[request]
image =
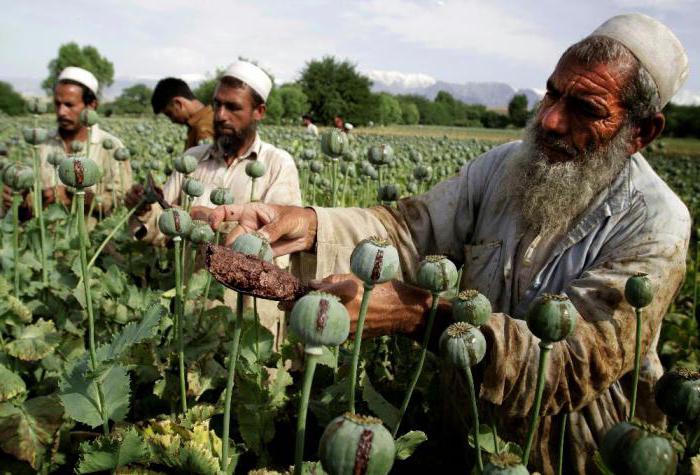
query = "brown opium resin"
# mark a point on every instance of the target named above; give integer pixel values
(251, 275)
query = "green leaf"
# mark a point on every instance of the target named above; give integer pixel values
(204, 375)
(132, 334)
(407, 443)
(486, 442)
(114, 281)
(265, 342)
(34, 342)
(11, 385)
(600, 464)
(195, 287)
(111, 452)
(28, 429)
(256, 423)
(377, 404)
(78, 393)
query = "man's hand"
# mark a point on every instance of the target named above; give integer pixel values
(288, 228)
(6, 197)
(201, 213)
(134, 196)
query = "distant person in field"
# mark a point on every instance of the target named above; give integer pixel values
(311, 128)
(238, 105)
(339, 123)
(573, 208)
(75, 90)
(173, 98)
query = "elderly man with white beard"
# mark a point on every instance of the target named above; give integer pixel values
(574, 208)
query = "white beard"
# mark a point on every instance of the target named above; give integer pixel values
(551, 195)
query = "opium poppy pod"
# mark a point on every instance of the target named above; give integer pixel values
(353, 444)
(374, 261)
(334, 142)
(18, 177)
(320, 319)
(221, 196)
(388, 192)
(201, 232)
(255, 169)
(552, 318)
(380, 154)
(34, 136)
(175, 222)
(77, 147)
(462, 345)
(253, 244)
(472, 307)
(185, 164)
(89, 117)
(122, 154)
(78, 172)
(678, 395)
(505, 464)
(54, 158)
(636, 449)
(436, 274)
(316, 166)
(193, 187)
(108, 144)
(638, 290)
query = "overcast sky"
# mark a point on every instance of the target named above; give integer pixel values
(512, 41)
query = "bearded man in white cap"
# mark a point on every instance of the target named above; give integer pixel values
(239, 105)
(76, 89)
(574, 208)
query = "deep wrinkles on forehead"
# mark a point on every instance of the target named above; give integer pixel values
(603, 89)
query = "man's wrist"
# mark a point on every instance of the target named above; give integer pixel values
(311, 220)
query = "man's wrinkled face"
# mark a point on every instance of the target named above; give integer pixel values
(235, 118)
(582, 109)
(68, 101)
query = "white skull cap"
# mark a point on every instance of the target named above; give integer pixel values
(654, 45)
(80, 75)
(252, 75)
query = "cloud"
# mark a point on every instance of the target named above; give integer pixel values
(686, 97)
(403, 80)
(656, 4)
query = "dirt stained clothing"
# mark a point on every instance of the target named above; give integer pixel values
(200, 127)
(636, 225)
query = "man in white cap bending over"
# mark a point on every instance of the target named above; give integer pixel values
(239, 104)
(573, 208)
(76, 89)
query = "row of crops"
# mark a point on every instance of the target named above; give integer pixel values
(114, 358)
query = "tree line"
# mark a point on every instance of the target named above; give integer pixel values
(325, 88)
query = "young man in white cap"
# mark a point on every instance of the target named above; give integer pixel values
(574, 208)
(239, 105)
(76, 90)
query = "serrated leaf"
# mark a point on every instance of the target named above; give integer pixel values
(132, 334)
(34, 342)
(265, 342)
(204, 375)
(11, 384)
(114, 280)
(111, 452)
(78, 393)
(378, 405)
(408, 443)
(27, 430)
(257, 425)
(487, 444)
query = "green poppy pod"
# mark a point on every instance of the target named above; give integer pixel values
(388, 192)
(354, 444)
(175, 222)
(316, 166)
(18, 177)
(185, 164)
(472, 307)
(319, 319)
(201, 232)
(462, 345)
(54, 158)
(638, 290)
(505, 464)
(108, 144)
(308, 154)
(34, 136)
(122, 154)
(422, 172)
(411, 188)
(193, 187)
(677, 394)
(380, 154)
(415, 156)
(334, 142)
(374, 260)
(436, 274)
(221, 196)
(636, 449)
(255, 169)
(78, 172)
(36, 106)
(253, 244)
(77, 147)
(552, 318)
(349, 155)
(135, 166)
(88, 117)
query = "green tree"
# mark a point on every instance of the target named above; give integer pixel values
(87, 57)
(275, 108)
(133, 100)
(389, 110)
(294, 101)
(409, 113)
(205, 90)
(517, 110)
(336, 88)
(11, 102)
